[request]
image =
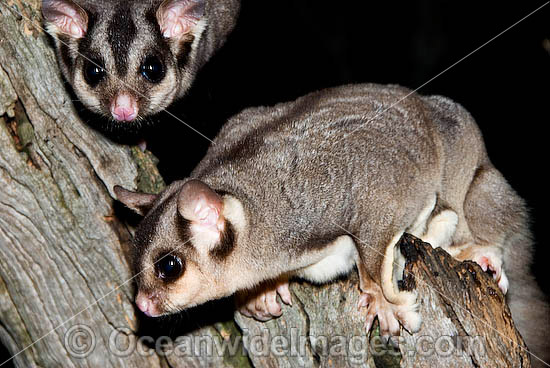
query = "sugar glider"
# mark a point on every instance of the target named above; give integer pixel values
(287, 190)
(127, 60)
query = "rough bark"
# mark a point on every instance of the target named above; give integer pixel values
(62, 259)
(62, 255)
(466, 322)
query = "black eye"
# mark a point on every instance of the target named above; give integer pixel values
(152, 69)
(169, 267)
(93, 72)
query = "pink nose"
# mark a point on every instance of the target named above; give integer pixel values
(146, 305)
(124, 108)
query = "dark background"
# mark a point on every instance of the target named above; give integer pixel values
(283, 49)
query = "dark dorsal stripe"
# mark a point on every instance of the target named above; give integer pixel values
(64, 51)
(185, 51)
(121, 32)
(85, 44)
(151, 18)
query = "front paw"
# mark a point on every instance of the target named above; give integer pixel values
(261, 303)
(390, 316)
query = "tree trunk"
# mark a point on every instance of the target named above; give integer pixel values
(66, 293)
(466, 322)
(63, 271)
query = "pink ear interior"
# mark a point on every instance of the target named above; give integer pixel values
(178, 17)
(68, 17)
(198, 203)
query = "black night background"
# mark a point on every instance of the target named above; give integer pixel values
(283, 49)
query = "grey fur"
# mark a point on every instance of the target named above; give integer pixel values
(121, 35)
(358, 158)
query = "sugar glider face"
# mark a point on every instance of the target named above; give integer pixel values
(182, 249)
(126, 60)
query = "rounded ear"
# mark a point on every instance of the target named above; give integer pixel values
(140, 203)
(179, 17)
(66, 17)
(198, 203)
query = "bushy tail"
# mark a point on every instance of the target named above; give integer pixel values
(529, 306)
(496, 215)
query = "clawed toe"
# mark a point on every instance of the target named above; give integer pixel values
(499, 275)
(390, 316)
(489, 264)
(364, 300)
(490, 260)
(284, 293)
(261, 304)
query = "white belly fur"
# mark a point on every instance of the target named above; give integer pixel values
(339, 258)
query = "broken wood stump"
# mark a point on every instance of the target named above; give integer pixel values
(466, 322)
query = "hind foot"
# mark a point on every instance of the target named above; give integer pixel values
(490, 260)
(390, 316)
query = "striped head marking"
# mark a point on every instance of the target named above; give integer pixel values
(126, 60)
(183, 248)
